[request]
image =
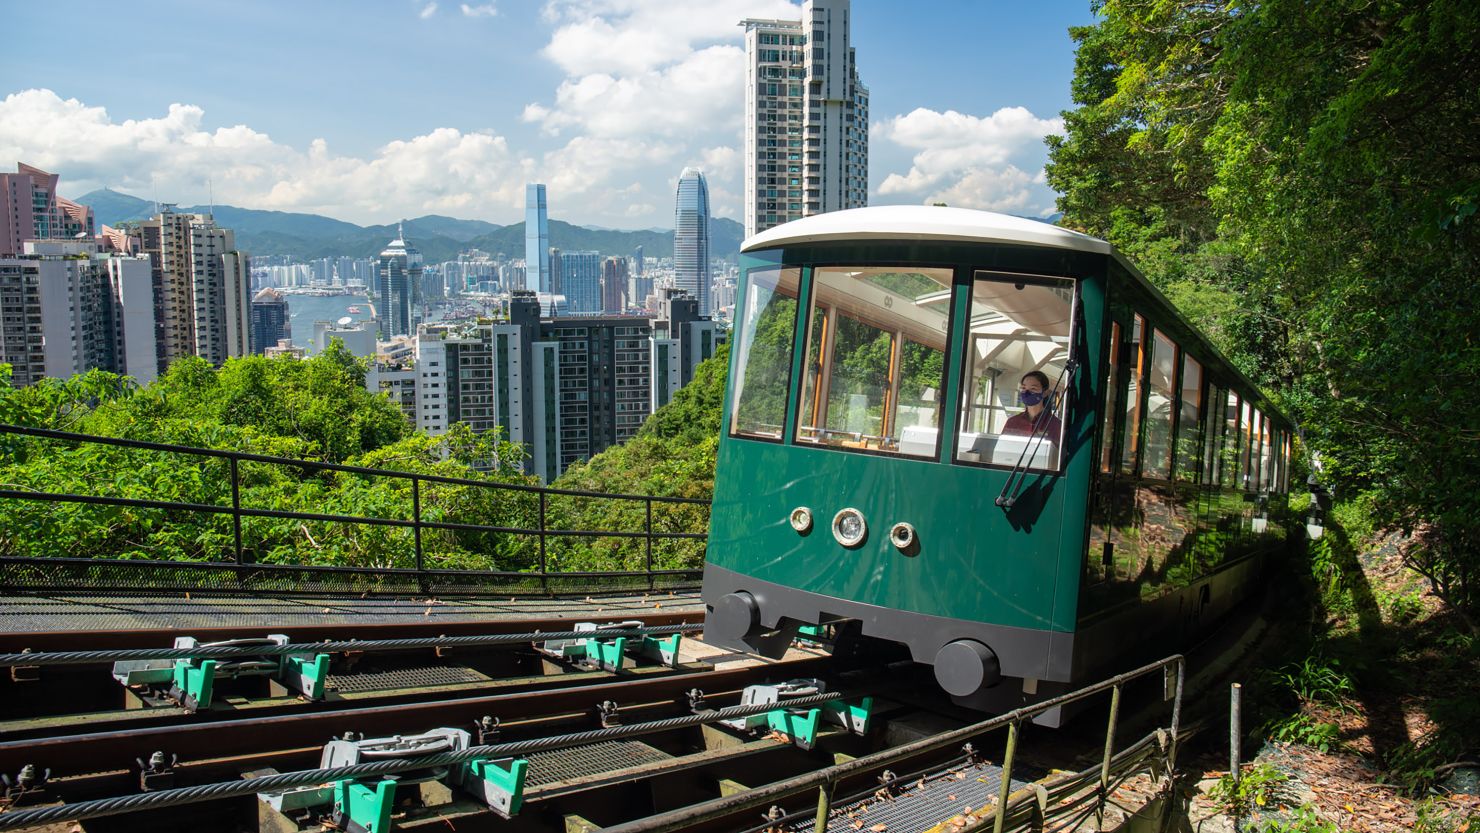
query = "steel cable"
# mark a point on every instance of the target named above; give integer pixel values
(230, 652)
(230, 789)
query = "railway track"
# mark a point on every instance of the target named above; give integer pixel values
(601, 747)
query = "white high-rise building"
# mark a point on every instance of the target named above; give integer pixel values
(806, 117)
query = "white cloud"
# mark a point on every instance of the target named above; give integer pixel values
(427, 11)
(484, 10)
(993, 162)
(470, 174)
(667, 87)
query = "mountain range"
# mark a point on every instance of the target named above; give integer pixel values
(310, 236)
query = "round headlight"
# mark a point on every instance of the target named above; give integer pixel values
(801, 520)
(849, 527)
(902, 535)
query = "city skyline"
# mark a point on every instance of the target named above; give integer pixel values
(604, 103)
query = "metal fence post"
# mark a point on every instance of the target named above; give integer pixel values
(421, 567)
(1109, 753)
(1235, 732)
(236, 509)
(1005, 788)
(544, 570)
(652, 583)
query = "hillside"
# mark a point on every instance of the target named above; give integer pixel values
(309, 236)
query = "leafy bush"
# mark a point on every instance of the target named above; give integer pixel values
(1301, 729)
(1258, 786)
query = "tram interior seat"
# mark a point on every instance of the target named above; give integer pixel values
(918, 440)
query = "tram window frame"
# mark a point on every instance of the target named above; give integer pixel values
(1229, 448)
(1160, 468)
(1187, 451)
(891, 403)
(1246, 431)
(1112, 401)
(743, 348)
(1217, 403)
(965, 365)
(1135, 392)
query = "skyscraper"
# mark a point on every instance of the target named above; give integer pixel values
(397, 288)
(580, 281)
(536, 240)
(269, 319)
(691, 237)
(806, 117)
(614, 284)
(201, 284)
(68, 306)
(31, 210)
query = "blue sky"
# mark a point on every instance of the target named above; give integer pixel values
(369, 111)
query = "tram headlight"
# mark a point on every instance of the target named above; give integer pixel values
(903, 536)
(849, 527)
(801, 520)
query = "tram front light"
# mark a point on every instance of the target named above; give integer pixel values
(801, 520)
(849, 527)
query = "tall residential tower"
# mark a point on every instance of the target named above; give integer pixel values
(691, 238)
(806, 117)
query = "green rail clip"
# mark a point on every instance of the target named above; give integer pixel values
(500, 783)
(810, 633)
(362, 809)
(801, 724)
(665, 650)
(194, 681)
(608, 656)
(310, 674)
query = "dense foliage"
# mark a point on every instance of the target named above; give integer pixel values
(1301, 178)
(673, 455)
(313, 410)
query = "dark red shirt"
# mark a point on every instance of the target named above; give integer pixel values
(1023, 424)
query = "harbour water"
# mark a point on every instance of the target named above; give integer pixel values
(303, 310)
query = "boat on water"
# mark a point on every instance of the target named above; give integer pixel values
(355, 310)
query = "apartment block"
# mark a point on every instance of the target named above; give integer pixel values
(806, 117)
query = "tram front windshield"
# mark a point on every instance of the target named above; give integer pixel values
(1017, 344)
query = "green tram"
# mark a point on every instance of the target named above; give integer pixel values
(878, 462)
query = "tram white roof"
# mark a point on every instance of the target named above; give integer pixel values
(923, 223)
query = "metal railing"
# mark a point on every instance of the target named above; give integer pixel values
(240, 569)
(1065, 801)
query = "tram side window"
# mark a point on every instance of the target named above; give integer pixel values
(1132, 442)
(1266, 458)
(1157, 462)
(1228, 464)
(1189, 422)
(1216, 406)
(1246, 436)
(1018, 337)
(1112, 400)
(876, 340)
(767, 326)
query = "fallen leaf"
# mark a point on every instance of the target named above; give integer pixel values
(879, 828)
(951, 797)
(960, 776)
(858, 825)
(657, 605)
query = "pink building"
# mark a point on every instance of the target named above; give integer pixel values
(31, 210)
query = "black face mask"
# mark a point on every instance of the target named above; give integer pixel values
(1028, 397)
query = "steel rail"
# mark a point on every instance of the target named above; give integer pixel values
(423, 626)
(329, 647)
(96, 752)
(761, 796)
(189, 795)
